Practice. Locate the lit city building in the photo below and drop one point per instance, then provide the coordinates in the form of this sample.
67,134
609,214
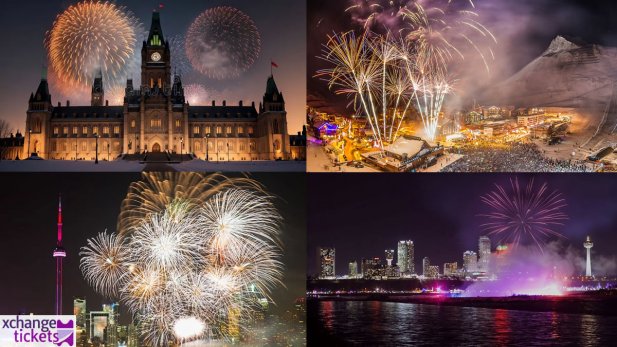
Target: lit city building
326,264
450,269
353,269
470,262
433,271
372,268
389,256
99,321
156,116
426,263
484,248
405,258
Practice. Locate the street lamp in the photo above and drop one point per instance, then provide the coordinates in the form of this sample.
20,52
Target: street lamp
181,147
207,147
227,151
96,154
107,151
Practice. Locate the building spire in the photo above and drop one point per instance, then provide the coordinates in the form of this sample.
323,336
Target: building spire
59,244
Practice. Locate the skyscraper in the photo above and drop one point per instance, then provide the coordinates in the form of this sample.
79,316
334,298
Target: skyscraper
470,262
59,254
326,264
389,256
353,269
79,310
426,263
450,269
405,257
99,321
484,248
588,244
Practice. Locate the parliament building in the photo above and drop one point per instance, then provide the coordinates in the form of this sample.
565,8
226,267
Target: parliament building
156,117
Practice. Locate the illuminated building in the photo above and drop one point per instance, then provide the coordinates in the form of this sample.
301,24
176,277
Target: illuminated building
470,262
450,269
433,271
111,338
133,336
426,263
59,254
405,257
79,310
389,256
155,116
484,248
371,268
588,244
326,257
99,321
353,269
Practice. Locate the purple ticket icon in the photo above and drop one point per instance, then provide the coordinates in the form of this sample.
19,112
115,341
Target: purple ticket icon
66,332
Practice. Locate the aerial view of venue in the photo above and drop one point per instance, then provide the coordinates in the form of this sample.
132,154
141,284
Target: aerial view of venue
461,86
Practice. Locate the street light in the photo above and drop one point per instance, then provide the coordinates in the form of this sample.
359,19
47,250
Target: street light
181,147
227,151
107,151
96,155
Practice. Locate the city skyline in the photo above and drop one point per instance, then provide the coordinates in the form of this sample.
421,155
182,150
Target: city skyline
31,213
442,217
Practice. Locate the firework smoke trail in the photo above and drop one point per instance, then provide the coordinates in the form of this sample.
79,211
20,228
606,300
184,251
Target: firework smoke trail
410,61
190,248
93,35
523,214
222,43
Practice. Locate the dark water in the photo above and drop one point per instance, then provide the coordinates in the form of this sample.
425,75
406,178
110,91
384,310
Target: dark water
374,323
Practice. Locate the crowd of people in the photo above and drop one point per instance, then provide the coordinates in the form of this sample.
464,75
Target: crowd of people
519,157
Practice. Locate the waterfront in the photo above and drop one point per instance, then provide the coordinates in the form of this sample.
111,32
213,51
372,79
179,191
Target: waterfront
375,323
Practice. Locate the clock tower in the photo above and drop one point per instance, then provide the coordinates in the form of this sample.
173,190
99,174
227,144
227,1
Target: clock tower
156,58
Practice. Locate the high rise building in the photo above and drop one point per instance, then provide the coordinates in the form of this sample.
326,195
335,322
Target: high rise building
426,263
470,262
353,269
111,333
433,271
59,254
450,269
405,257
99,321
372,268
484,248
588,244
79,310
389,256
326,257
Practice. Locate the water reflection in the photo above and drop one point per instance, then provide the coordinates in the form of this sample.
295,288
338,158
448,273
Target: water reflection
403,324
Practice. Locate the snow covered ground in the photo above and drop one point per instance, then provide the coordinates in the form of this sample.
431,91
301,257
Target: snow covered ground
134,166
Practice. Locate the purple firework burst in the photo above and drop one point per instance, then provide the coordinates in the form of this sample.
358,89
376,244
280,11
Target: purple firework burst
524,214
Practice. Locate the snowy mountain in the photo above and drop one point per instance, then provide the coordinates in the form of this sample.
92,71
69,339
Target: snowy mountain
568,74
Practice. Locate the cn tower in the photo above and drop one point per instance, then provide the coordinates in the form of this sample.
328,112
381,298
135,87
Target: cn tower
588,244
59,254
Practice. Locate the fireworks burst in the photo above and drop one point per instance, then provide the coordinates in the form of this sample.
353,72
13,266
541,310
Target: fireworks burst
222,42
91,36
180,62
408,65
197,94
193,255
523,214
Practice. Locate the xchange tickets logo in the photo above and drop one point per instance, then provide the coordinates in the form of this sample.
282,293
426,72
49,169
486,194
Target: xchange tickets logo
35,331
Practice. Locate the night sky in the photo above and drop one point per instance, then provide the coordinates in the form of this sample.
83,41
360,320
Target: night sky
523,28
281,23
361,215
90,204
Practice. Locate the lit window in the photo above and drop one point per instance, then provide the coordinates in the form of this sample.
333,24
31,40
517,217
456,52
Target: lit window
207,130
228,130
251,130
84,130
106,130
74,130
116,129
196,129
219,129
56,130
133,123
95,130
177,123
240,130
65,130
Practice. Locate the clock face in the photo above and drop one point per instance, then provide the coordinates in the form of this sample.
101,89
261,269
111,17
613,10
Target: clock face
156,56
